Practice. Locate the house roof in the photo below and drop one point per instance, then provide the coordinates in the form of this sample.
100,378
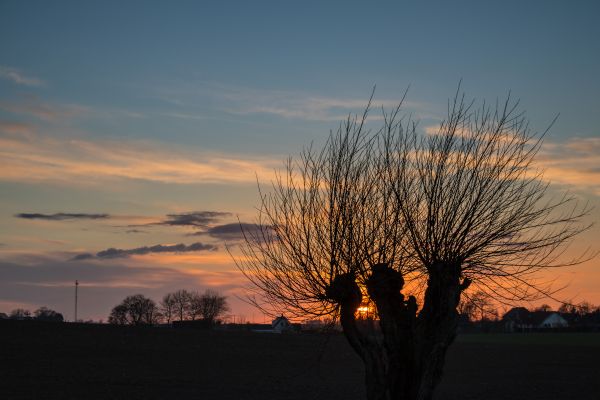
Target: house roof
280,320
524,316
516,314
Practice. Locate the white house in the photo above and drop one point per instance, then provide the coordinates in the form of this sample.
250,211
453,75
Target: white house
521,319
281,324
554,320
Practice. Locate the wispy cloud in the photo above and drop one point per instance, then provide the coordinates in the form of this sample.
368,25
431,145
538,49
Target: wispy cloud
159,248
300,106
575,163
33,106
284,104
18,77
61,216
83,162
16,128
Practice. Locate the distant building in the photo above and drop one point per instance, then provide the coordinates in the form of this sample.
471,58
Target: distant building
551,320
281,324
278,325
521,319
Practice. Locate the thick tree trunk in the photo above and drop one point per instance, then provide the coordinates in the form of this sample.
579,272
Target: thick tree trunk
436,326
405,360
416,346
345,291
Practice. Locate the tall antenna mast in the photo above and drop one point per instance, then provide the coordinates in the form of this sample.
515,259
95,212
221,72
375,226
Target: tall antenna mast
76,285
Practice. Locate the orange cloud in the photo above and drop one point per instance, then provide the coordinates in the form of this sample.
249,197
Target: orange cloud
86,162
575,163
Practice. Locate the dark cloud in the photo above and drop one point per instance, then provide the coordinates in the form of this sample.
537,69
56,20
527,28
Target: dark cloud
61,216
83,256
235,231
159,248
194,218
135,231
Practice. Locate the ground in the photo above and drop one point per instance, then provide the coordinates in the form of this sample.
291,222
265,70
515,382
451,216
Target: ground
65,361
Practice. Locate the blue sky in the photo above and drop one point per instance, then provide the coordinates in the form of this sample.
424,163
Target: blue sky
144,109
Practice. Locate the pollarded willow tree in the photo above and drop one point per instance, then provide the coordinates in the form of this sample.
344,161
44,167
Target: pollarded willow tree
408,222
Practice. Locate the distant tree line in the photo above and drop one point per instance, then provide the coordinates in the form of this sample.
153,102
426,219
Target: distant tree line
41,314
582,315
181,305
478,312
479,306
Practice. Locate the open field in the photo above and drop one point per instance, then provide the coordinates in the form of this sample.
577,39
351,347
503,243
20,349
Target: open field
65,361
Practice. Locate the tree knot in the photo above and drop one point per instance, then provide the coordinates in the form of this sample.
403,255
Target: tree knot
384,282
344,290
465,284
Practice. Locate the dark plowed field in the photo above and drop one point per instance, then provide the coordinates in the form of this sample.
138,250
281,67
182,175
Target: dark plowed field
64,361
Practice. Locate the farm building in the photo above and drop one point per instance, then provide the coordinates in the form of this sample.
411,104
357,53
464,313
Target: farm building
521,319
281,324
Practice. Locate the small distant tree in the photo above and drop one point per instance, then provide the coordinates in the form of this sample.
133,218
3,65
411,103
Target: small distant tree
182,303
567,308
168,307
584,308
118,315
196,306
134,310
544,308
188,305
212,305
46,314
20,313
477,306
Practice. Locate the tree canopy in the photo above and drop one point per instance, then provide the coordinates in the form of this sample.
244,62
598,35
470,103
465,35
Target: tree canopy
409,221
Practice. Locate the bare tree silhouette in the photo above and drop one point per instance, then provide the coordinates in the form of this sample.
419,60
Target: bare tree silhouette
134,310
409,221
191,305
209,305
20,313
167,307
46,314
182,303
477,305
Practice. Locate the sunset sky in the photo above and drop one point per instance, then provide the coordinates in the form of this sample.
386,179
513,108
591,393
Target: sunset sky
132,133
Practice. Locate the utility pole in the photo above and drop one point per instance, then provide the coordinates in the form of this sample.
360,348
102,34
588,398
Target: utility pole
76,285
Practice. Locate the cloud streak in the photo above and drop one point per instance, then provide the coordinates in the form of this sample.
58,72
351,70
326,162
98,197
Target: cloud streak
235,231
84,162
18,77
159,248
300,106
194,218
61,216
33,106
575,163
284,104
